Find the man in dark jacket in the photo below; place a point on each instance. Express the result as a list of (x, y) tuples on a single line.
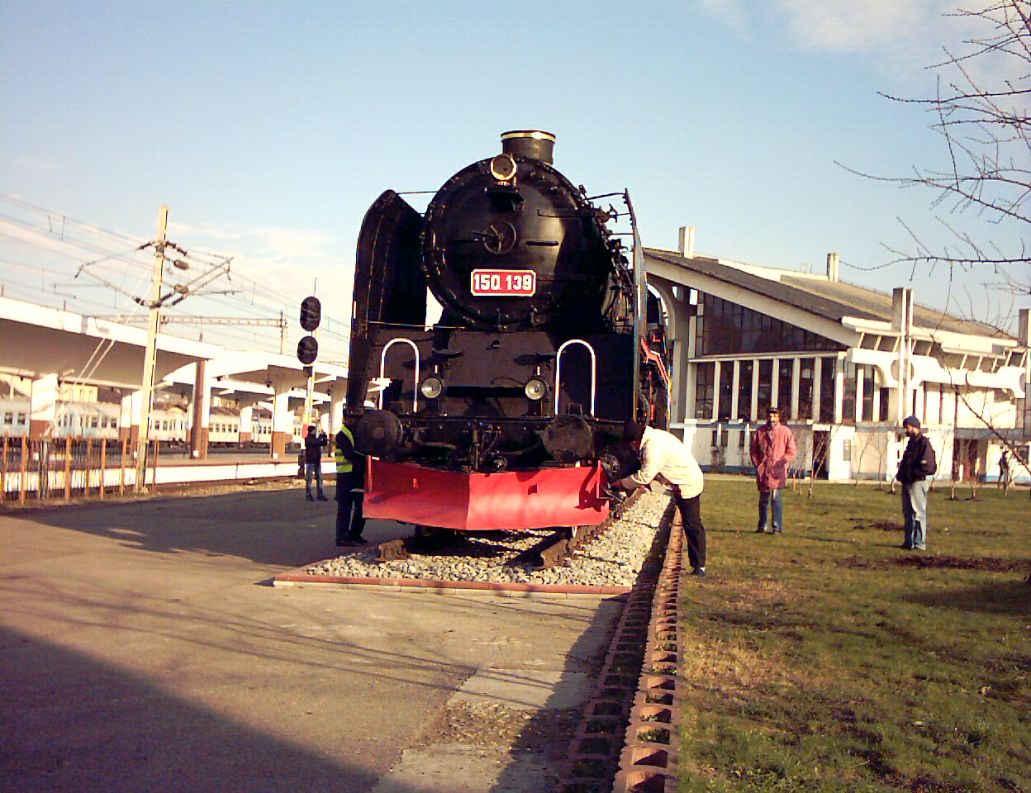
[(916, 465), (349, 496), (314, 443)]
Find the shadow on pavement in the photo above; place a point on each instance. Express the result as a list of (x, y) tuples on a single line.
[(72, 723), (269, 527)]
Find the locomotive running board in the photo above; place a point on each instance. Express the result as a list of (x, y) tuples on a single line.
[(482, 502)]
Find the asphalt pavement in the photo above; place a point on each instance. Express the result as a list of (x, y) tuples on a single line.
[(143, 649)]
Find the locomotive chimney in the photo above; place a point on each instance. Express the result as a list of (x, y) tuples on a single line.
[(534, 143)]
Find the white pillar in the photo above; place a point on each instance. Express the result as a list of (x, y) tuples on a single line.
[(246, 423), (796, 381), (860, 389), (687, 379), (337, 397), (734, 391), (282, 420), (42, 405), (680, 349), (753, 410), (902, 323), (817, 388), (201, 411), (129, 417), (1024, 404), (716, 373), (839, 389)]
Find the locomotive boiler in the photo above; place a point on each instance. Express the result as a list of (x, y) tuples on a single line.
[(507, 412)]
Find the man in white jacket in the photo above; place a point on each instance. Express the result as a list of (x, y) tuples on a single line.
[(666, 458)]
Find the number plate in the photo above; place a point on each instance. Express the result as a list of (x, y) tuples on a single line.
[(504, 283)]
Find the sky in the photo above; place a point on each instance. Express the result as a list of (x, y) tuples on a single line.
[(269, 129)]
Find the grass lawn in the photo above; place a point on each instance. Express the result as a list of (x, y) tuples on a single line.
[(829, 659)]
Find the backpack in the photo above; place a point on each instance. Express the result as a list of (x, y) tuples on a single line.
[(929, 465)]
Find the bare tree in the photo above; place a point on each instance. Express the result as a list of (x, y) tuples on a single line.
[(821, 445), (881, 447), (861, 444), (803, 440), (981, 113)]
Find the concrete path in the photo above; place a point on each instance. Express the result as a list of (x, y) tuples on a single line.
[(142, 649)]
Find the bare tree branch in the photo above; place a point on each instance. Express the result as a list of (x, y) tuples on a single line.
[(982, 111)]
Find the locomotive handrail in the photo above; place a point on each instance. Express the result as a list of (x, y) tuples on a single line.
[(383, 364), (558, 370)]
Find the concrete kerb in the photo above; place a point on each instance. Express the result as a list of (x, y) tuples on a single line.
[(299, 578), (595, 752), (649, 760)]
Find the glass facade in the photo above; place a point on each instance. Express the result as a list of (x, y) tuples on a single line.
[(848, 396), (744, 391), (763, 352), (728, 329), (726, 390), (765, 387), (805, 388), (870, 379), (785, 384), (827, 371), (704, 389), (715, 391)]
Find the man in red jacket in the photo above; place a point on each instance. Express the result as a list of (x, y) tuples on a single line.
[(773, 448)]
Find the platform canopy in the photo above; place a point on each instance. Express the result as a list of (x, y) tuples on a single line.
[(260, 373), (39, 340)]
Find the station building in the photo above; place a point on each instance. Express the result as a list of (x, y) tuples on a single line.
[(845, 364)]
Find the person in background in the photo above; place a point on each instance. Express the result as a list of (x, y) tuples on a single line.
[(314, 443), (772, 450), (349, 496), (1004, 470), (666, 458), (917, 463)]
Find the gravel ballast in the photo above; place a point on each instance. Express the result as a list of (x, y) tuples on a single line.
[(614, 559)]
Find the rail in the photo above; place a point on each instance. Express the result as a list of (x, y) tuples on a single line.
[(558, 371), (383, 365)]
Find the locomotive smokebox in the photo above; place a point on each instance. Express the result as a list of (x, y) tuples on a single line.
[(535, 143)]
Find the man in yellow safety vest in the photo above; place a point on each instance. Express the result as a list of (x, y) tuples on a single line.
[(349, 495)]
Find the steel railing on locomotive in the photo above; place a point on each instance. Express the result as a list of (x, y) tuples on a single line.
[(534, 363)]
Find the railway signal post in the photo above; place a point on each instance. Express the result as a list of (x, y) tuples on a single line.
[(308, 348)]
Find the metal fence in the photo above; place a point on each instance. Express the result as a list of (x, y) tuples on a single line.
[(67, 468)]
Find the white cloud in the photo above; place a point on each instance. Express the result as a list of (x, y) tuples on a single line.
[(867, 24), (36, 164), (883, 27), (732, 13), (900, 37), (270, 242), (278, 257)]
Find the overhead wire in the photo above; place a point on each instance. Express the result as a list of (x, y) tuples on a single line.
[(263, 301)]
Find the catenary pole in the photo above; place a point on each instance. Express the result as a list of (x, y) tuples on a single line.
[(150, 356)]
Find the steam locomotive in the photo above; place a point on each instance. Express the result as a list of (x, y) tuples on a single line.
[(506, 413)]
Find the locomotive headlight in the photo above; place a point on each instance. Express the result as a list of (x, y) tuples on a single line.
[(503, 167), (535, 389), (432, 387)]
